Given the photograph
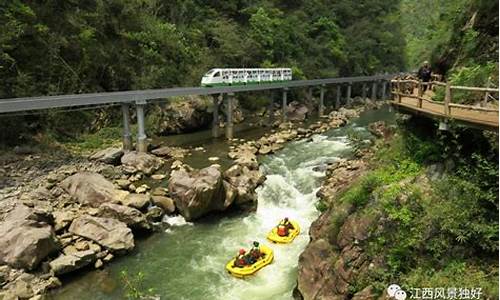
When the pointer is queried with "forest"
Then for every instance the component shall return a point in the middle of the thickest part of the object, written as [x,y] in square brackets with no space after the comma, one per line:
[102,46]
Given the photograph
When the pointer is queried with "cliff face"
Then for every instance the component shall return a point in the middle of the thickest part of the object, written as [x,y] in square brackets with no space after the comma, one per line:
[408,212]
[335,255]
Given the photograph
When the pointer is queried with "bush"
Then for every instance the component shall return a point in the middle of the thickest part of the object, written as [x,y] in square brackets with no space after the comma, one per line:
[475,76]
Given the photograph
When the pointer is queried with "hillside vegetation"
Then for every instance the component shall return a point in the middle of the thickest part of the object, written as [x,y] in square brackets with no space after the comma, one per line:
[431,198]
[56,47]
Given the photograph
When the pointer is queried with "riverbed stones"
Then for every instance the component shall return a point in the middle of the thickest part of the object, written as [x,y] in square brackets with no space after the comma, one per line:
[166,203]
[244,181]
[110,155]
[171,152]
[91,189]
[128,215]
[140,162]
[107,232]
[25,238]
[62,219]
[197,192]
[139,201]
[296,111]
[158,176]
[72,262]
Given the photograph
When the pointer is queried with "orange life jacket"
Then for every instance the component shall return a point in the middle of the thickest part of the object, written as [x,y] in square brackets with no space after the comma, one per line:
[281,230]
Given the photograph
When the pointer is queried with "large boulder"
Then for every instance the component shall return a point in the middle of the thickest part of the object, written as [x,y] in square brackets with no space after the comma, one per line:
[139,201]
[140,162]
[165,203]
[297,111]
[315,266]
[26,238]
[72,262]
[189,114]
[92,189]
[107,232]
[247,159]
[170,152]
[110,155]
[198,192]
[128,215]
[244,181]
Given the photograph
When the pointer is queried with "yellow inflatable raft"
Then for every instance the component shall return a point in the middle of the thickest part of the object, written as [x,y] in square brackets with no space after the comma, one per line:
[251,269]
[292,233]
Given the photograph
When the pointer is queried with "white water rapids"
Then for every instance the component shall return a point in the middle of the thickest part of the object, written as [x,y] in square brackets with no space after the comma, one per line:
[187,262]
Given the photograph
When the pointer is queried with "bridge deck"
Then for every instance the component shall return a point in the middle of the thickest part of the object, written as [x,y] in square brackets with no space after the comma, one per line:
[471,114]
[47,102]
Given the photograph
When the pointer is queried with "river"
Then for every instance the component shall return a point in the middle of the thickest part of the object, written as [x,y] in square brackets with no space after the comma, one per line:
[187,260]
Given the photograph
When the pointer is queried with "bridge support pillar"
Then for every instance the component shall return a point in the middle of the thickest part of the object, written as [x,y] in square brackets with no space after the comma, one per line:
[321,107]
[127,137]
[337,99]
[215,121]
[142,145]
[229,115]
[363,91]
[374,91]
[270,110]
[384,90]
[348,96]
[284,105]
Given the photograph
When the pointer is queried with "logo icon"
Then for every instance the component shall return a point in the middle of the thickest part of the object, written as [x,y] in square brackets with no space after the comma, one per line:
[395,292]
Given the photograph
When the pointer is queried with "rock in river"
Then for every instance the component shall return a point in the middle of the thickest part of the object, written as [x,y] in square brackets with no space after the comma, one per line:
[198,192]
[69,263]
[128,215]
[92,189]
[110,155]
[141,162]
[25,239]
[107,232]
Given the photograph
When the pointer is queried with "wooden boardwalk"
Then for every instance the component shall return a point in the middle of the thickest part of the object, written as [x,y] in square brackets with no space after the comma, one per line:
[409,97]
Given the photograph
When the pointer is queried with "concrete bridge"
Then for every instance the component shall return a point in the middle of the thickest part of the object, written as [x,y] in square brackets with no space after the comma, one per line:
[141,98]
[409,96]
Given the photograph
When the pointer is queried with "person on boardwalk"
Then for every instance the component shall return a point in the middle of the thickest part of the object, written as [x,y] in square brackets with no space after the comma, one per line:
[424,74]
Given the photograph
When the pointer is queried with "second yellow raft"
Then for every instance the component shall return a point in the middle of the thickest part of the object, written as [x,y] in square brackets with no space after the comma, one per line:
[292,234]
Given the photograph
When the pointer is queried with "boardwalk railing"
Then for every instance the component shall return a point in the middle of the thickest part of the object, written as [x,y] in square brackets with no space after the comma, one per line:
[410,95]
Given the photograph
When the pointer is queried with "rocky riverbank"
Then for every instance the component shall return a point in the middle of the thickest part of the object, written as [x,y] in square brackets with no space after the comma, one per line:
[334,257]
[385,213]
[80,213]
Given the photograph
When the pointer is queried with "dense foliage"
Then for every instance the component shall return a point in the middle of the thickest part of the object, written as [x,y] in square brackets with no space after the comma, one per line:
[59,47]
[437,193]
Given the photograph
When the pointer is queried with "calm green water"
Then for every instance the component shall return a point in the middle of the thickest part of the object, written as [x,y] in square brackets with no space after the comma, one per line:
[187,261]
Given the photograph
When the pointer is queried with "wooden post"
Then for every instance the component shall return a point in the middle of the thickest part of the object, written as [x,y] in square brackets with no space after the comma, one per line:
[447,99]
[348,96]
[420,93]
[321,108]
[363,91]
[142,145]
[399,90]
[486,94]
[284,105]
[127,137]
[215,122]
[229,123]
[337,100]
[374,91]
